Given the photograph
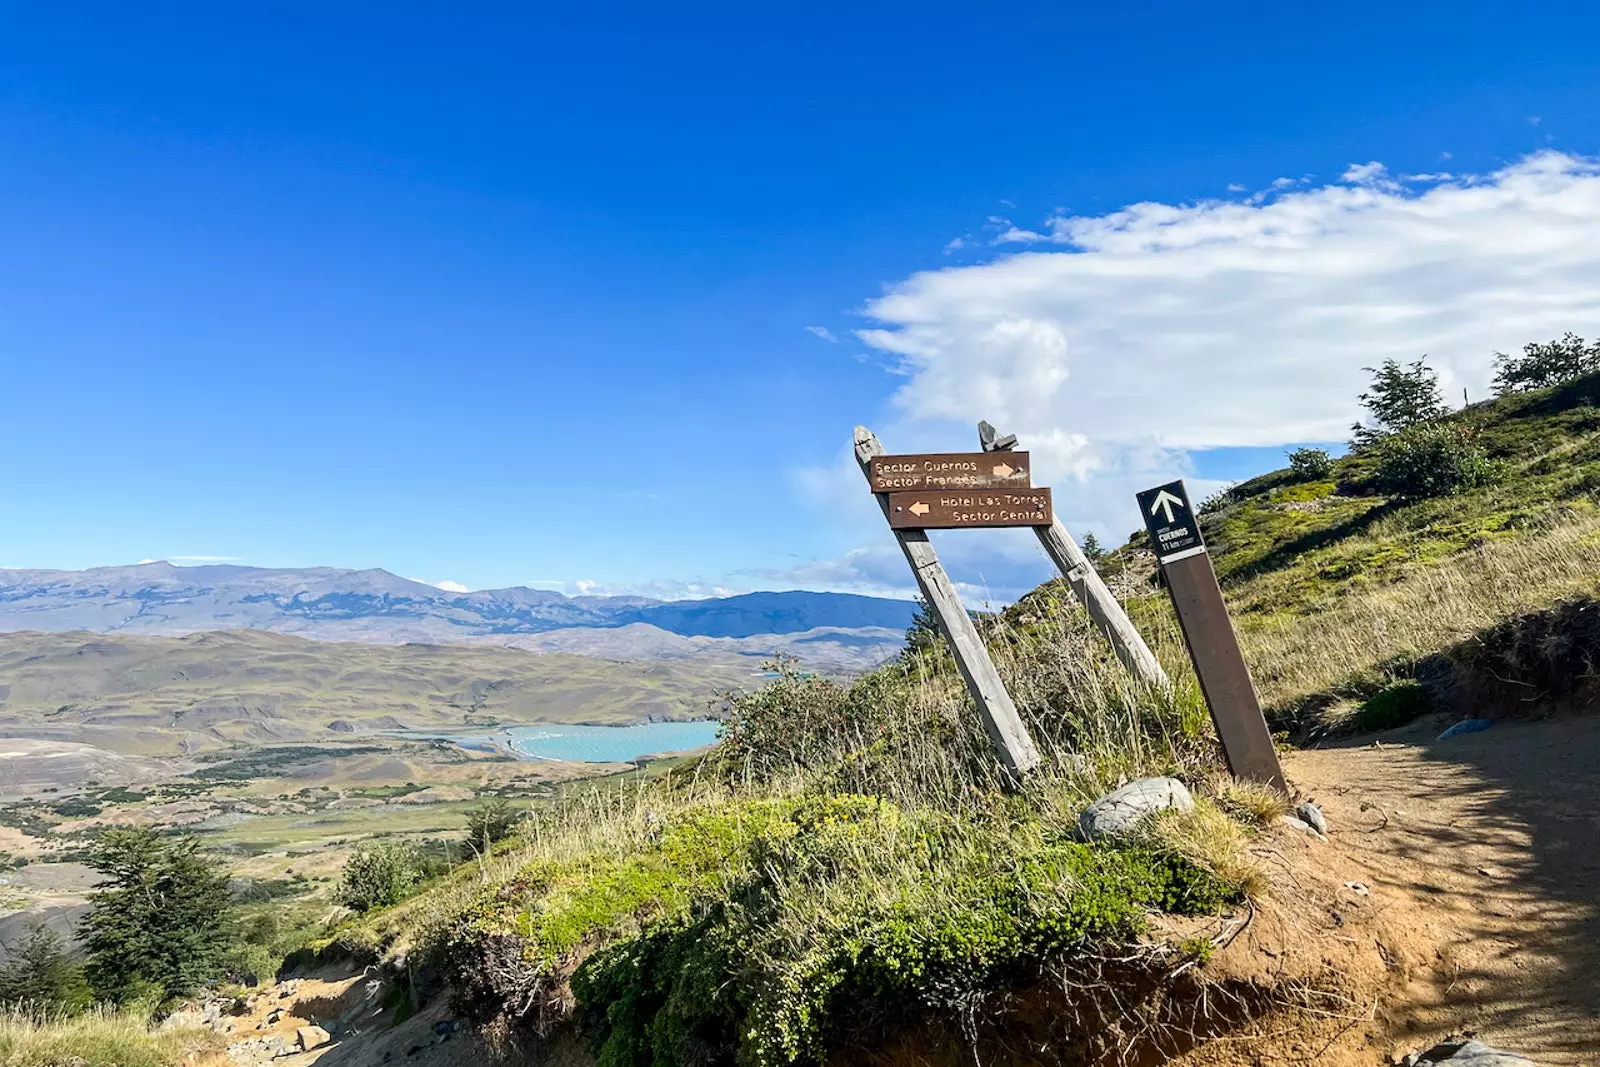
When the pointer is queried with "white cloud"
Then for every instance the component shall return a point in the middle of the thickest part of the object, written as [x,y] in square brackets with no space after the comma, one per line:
[1235,187]
[447,586]
[1130,339]
[822,332]
[1363,173]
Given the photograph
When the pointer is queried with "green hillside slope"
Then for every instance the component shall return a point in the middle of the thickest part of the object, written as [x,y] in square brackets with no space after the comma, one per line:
[1340,592]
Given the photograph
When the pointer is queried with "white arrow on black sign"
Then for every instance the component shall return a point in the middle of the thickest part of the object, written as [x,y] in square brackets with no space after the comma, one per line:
[1165,501]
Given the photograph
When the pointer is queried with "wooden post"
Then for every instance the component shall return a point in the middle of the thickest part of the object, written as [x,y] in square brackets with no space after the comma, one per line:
[999,714]
[1213,646]
[1087,584]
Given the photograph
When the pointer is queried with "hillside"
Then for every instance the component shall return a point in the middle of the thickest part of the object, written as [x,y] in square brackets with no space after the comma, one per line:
[1360,610]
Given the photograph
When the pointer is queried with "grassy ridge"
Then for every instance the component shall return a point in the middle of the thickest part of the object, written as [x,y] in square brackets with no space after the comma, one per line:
[1339,593]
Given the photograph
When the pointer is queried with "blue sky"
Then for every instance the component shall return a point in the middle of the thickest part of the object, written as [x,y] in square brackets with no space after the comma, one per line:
[530,294]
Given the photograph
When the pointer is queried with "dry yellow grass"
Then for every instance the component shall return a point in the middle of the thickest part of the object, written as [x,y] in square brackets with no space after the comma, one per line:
[97,1038]
[1432,607]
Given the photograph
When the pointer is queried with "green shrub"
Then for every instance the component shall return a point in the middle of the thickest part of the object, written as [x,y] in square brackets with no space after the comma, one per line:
[773,932]
[379,876]
[1394,705]
[1310,464]
[1432,459]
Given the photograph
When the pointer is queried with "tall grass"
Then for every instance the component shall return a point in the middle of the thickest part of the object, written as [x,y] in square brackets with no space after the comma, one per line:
[101,1037]
[1350,641]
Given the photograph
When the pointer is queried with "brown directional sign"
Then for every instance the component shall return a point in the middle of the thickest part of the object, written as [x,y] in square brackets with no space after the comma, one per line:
[955,509]
[1208,633]
[949,470]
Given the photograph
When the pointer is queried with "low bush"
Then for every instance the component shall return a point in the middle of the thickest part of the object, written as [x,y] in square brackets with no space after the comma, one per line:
[1310,464]
[1433,459]
[379,876]
[775,931]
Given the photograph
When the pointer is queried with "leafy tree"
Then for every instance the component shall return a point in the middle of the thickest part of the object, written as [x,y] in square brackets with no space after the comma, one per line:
[1543,365]
[41,973]
[491,821]
[923,633]
[1399,397]
[157,923]
[1092,549]
[378,876]
[1433,459]
[1310,464]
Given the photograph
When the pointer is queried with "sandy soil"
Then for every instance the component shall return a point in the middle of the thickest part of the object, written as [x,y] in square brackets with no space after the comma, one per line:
[1482,853]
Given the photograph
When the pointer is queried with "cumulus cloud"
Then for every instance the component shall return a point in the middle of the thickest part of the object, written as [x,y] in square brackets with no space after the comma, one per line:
[1116,345]
[1225,323]
[822,332]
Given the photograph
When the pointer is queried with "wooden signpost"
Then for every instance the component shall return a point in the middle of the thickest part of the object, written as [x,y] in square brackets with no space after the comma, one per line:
[1011,741]
[1083,579]
[1224,677]
[958,509]
[949,470]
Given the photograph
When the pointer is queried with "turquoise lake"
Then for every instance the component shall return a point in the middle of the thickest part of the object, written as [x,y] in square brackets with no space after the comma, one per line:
[608,744]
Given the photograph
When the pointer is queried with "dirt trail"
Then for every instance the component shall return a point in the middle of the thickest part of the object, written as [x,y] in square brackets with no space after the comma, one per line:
[1485,850]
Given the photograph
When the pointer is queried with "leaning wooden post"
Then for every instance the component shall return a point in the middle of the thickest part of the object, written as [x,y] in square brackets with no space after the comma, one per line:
[999,714]
[1087,584]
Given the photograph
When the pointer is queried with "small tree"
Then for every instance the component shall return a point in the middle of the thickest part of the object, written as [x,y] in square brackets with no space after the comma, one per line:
[156,924]
[40,973]
[491,821]
[1543,365]
[923,633]
[377,876]
[1310,464]
[1092,549]
[1399,397]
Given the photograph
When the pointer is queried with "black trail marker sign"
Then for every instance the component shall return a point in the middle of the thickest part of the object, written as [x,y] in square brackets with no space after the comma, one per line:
[1213,646]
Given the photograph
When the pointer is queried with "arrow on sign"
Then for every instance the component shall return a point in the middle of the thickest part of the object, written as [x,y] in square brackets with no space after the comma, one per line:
[919,509]
[1002,470]
[1163,502]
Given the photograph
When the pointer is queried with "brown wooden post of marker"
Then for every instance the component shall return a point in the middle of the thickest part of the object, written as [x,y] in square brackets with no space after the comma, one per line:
[1213,646]
[1086,583]
[1011,741]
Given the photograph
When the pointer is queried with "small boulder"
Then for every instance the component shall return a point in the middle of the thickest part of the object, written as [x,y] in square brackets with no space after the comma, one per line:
[310,1037]
[1470,1054]
[1311,815]
[1299,826]
[1121,812]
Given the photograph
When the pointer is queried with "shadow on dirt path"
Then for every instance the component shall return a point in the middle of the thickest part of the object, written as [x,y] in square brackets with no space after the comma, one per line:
[1487,846]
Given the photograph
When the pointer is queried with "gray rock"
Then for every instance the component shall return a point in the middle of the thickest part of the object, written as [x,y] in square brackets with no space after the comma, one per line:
[1309,813]
[1470,1054]
[310,1037]
[1299,825]
[1121,812]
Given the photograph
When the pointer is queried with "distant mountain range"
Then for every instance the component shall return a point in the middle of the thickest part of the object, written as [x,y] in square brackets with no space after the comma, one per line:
[374,606]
